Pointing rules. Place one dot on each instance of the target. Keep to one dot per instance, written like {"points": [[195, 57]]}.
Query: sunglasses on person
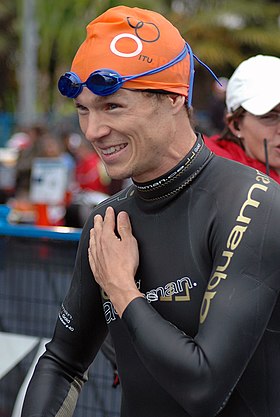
{"points": [[105, 82]]}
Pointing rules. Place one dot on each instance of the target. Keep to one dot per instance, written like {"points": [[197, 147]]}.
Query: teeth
{"points": [[113, 149]]}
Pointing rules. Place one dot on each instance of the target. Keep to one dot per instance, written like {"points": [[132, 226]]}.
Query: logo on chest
{"points": [[178, 290], [175, 291]]}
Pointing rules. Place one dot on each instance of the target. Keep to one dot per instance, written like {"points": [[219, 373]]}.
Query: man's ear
{"points": [[177, 101]]}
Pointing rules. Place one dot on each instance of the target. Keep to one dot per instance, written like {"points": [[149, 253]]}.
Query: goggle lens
{"points": [[69, 85], [104, 82], [101, 82]]}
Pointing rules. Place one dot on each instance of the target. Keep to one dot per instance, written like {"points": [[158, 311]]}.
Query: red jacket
{"points": [[91, 175], [231, 150]]}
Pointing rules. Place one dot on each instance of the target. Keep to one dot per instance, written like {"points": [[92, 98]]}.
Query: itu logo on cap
{"points": [[149, 33], [138, 50]]}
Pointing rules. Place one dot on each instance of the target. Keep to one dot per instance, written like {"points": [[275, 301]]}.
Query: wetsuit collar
{"points": [[179, 177]]}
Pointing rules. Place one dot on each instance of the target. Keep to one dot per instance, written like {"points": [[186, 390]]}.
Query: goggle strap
{"points": [[174, 61], [208, 69], [192, 71], [179, 57]]}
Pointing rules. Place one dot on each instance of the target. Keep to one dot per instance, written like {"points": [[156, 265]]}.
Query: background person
{"points": [[253, 115], [217, 106], [28, 146], [92, 184], [26, 156], [191, 298]]}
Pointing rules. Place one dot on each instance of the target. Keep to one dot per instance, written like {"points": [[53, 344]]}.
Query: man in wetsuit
{"points": [[182, 267]]}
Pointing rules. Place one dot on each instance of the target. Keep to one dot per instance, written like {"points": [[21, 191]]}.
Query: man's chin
{"points": [[118, 176]]}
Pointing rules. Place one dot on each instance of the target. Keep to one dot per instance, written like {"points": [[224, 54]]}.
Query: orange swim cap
{"points": [[131, 41]]}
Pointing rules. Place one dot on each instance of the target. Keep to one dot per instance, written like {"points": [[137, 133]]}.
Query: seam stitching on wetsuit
{"points": [[70, 400], [176, 189], [171, 179]]}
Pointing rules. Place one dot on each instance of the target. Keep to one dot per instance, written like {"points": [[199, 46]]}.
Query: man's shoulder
{"points": [[118, 201], [225, 148], [230, 177]]}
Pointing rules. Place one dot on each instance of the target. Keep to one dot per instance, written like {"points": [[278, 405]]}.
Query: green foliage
{"points": [[9, 47], [221, 32]]}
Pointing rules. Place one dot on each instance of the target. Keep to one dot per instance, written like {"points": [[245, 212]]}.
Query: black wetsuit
{"points": [[206, 339]]}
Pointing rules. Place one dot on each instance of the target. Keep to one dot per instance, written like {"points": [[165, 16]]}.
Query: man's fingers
{"points": [[95, 233], [124, 225], [97, 222], [108, 228], [104, 228]]}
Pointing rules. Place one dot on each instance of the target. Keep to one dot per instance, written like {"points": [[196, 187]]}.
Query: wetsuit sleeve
{"points": [[79, 333], [201, 372]]}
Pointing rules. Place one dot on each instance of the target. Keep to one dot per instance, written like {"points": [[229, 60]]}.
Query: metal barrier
{"points": [[35, 271], [7, 122]]}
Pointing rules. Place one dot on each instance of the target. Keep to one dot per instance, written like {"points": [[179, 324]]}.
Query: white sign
{"points": [[48, 181], [13, 348]]}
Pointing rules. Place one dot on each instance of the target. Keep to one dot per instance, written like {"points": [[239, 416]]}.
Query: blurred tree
{"points": [[28, 74], [225, 32], [8, 52], [221, 32]]}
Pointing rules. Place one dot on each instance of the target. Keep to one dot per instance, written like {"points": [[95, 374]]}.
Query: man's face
{"points": [[132, 132]]}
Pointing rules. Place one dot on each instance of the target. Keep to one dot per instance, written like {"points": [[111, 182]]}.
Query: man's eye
{"points": [[80, 108], [112, 106]]}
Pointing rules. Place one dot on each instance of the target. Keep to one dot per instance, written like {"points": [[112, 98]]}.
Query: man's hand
{"points": [[114, 260]]}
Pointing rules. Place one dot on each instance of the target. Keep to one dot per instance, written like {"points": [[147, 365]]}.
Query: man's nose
{"points": [[96, 128]]}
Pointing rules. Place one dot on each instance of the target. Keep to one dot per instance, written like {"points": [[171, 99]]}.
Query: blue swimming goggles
{"points": [[105, 81]]}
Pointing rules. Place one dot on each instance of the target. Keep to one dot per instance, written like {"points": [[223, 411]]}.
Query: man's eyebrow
{"points": [[100, 99], [77, 102], [117, 94]]}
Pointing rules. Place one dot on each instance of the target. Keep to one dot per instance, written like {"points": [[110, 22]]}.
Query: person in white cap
{"points": [[181, 267], [252, 134]]}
